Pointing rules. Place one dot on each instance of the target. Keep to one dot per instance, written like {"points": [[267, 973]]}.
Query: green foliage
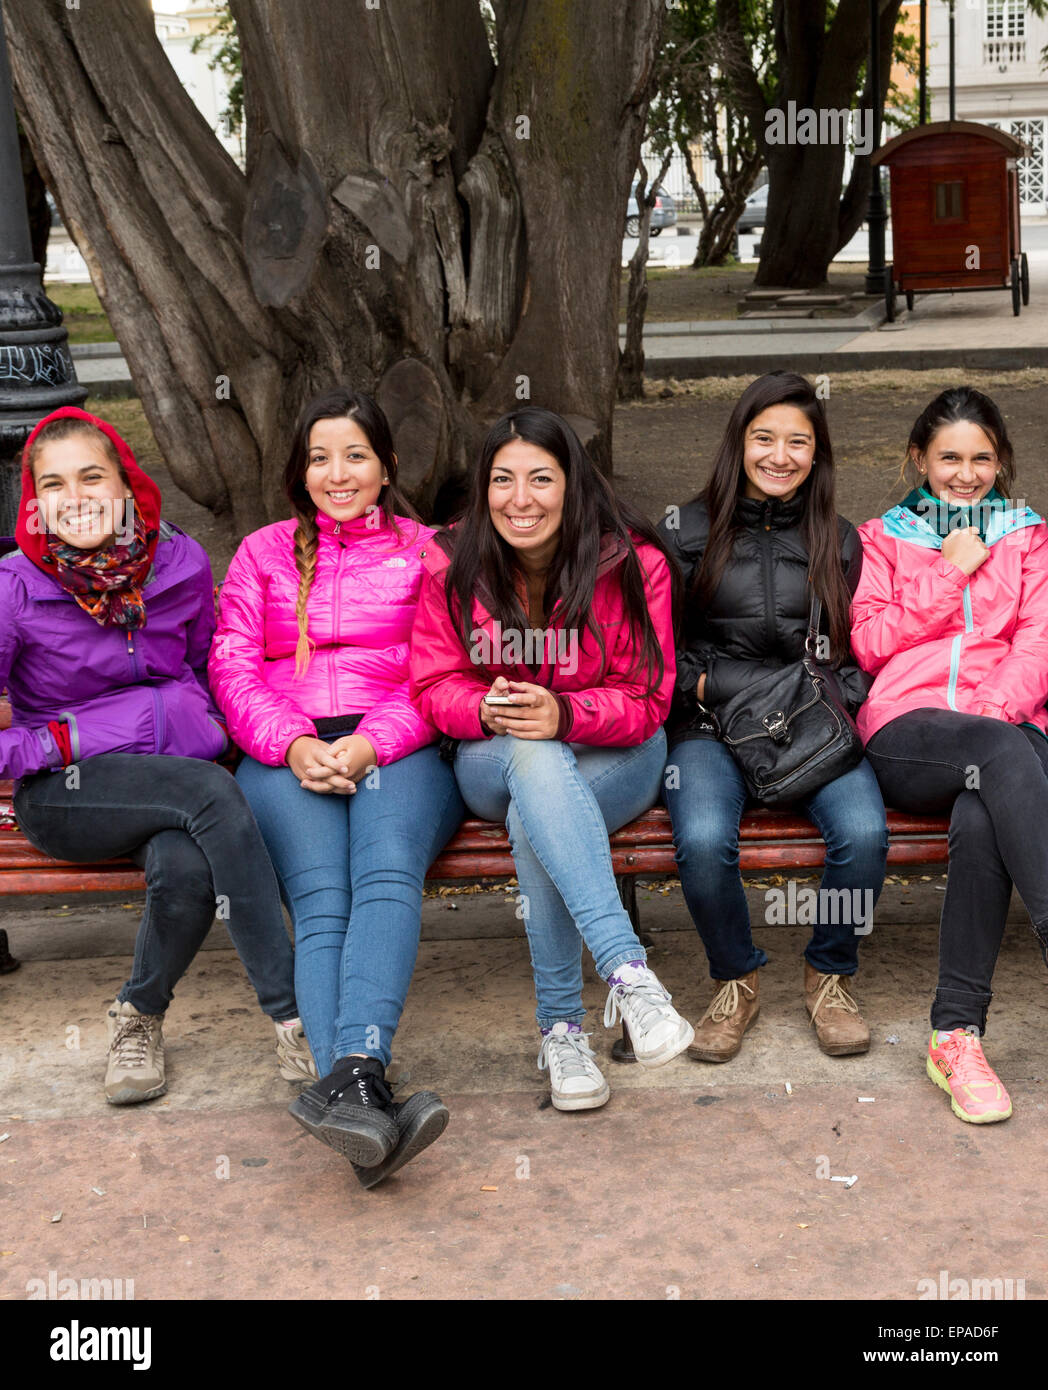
{"points": [[227, 59]]}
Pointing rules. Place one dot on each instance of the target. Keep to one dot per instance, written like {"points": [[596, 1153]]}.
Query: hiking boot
{"points": [[576, 1082], [351, 1110], [734, 1008], [135, 1063], [957, 1063], [293, 1054], [658, 1032], [421, 1120], [834, 1013]]}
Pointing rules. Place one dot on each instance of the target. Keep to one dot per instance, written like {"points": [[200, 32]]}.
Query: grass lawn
{"points": [[85, 319]]}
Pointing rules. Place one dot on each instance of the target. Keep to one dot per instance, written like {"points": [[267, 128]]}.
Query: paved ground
{"points": [[694, 1181]]}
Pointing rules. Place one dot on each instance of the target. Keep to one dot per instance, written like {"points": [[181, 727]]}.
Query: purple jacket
{"points": [[119, 691]]}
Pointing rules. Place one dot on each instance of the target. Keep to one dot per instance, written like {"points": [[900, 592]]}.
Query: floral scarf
{"points": [[106, 583]]}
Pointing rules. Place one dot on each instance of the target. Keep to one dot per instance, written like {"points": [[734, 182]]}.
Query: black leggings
{"points": [[994, 776], [187, 824]]}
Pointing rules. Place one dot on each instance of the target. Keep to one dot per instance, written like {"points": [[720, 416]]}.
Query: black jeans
{"points": [[187, 824], [994, 776]]}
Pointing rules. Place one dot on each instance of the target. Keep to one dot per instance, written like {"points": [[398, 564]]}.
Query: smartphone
{"points": [[499, 700]]}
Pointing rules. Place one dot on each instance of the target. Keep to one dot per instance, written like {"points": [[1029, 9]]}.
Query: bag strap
{"points": [[811, 641]]}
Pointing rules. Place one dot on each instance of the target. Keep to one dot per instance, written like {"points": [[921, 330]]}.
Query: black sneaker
{"points": [[351, 1110], [421, 1120]]}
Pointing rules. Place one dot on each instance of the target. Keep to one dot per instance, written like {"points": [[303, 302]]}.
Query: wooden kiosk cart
{"points": [[954, 212]]}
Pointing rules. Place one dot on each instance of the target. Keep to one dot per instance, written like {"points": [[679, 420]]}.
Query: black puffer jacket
{"points": [[758, 619]]}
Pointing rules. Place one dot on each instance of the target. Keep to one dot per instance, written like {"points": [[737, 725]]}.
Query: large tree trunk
{"points": [[414, 220], [819, 67]]}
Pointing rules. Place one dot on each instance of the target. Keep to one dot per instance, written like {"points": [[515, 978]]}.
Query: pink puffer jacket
{"points": [[603, 702], [934, 638], [360, 608]]}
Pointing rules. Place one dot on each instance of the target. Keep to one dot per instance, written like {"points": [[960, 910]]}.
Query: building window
{"points": [[1005, 19], [949, 201]]}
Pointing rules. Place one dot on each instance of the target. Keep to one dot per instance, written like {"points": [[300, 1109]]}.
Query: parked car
{"points": [[663, 214], [755, 210]]}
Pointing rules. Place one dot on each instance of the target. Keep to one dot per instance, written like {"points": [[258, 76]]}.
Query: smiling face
{"points": [[526, 501], [778, 452], [344, 475], [82, 496], [961, 463]]}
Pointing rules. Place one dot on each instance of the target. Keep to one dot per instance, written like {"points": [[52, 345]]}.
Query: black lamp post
{"points": [[876, 212], [36, 370]]}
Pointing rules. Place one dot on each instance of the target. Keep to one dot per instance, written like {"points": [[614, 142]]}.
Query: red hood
{"points": [[32, 540]]}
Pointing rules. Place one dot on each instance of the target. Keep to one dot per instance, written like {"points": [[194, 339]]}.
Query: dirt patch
{"points": [[716, 292]]}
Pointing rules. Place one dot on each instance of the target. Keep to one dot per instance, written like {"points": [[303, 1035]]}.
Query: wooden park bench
{"points": [[770, 841]]}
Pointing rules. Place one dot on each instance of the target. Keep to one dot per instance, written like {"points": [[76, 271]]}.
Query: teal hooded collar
{"points": [[923, 520]]}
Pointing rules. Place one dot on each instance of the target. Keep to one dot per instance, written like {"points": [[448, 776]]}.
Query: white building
{"points": [[998, 78], [178, 24]]}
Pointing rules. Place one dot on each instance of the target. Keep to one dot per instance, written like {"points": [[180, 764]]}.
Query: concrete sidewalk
{"points": [[695, 1181]]}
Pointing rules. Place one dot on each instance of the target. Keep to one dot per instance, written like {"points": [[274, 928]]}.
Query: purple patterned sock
{"points": [[613, 978], [571, 1028]]}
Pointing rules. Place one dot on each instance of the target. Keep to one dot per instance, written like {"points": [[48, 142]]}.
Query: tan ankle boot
{"points": [[135, 1062], [834, 1013], [733, 1009]]}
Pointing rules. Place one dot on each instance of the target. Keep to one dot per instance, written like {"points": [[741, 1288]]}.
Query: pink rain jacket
{"points": [[931, 636], [360, 608], [601, 703]]}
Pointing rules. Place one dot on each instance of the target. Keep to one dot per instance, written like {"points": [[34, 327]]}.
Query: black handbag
{"points": [[790, 731]]}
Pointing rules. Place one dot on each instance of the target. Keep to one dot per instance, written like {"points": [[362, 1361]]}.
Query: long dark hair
{"points": [[727, 482], [950, 408], [338, 403], [591, 512]]}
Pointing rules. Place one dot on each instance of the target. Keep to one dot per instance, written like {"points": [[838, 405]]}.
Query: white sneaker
{"points": [[576, 1082], [293, 1054], [656, 1028]]}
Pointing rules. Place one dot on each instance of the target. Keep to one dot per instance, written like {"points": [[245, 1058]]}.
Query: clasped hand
{"points": [[330, 767]]}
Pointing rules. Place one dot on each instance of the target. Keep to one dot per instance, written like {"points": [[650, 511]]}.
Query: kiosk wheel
{"points": [[1017, 290]]}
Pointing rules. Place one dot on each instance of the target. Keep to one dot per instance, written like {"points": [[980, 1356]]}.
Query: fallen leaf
{"points": [[57, 1217], [803, 1225], [98, 1191], [489, 1189], [183, 1237]]}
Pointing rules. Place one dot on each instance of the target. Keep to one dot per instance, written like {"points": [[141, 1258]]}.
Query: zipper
{"points": [[336, 617], [159, 723], [955, 646], [769, 587]]}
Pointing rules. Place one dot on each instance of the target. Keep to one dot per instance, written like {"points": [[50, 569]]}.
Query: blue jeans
{"points": [[559, 801], [706, 807], [351, 871]]}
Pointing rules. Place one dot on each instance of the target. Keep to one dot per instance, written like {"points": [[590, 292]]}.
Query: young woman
{"points": [[544, 644], [108, 616], [951, 619], [310, 667], [762, 528]]}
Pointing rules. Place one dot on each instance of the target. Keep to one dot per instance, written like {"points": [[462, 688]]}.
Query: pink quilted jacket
{"points": [[361, 608]]}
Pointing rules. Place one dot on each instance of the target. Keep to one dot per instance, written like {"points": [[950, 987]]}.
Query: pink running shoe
{"points": [[959, 1066]]}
